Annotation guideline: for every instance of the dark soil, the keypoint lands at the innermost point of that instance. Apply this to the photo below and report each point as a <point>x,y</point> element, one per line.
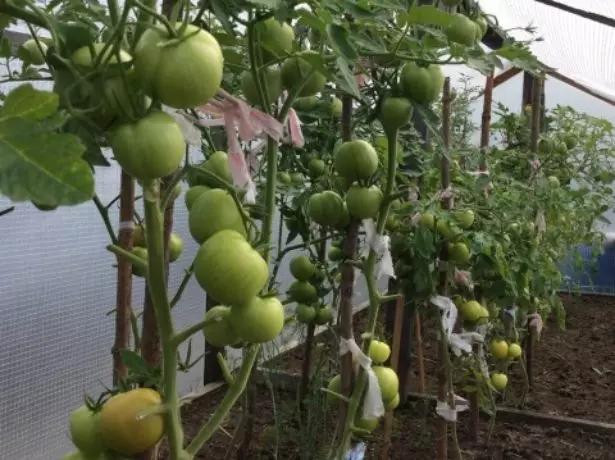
<point>572,373</point>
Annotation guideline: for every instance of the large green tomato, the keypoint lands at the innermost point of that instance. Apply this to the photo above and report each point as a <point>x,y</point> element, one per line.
<point>183,74</point>
<point>219,332</point>
<point>217,164</point>
<point>421,84</point>
<point>260,321</point>
<point>305,313</point>
<point>364,202</point>
<point>498,349</point>
<point>151,148</point>
<point>193,193</point>
<point>499,380</point>
<point>240,271</point>
<point>306,104</point>
<point>326,208</point>
<point>214,210</point>
<point>395,113</point>
<point>461,30</point>
<point>302,292</point>
<point>35,51</point>
<point>121,427</point>
<point>459,253</point>
<point>324,315</point>
<point>83,425</point>
<point>388,381</point>
<point>356,160</point>
<point>276,38</point>
<point>379,351</point>
<point>273,82</point>
<point>335,385</point>
<point>302,268</point>
<point>296,69</point>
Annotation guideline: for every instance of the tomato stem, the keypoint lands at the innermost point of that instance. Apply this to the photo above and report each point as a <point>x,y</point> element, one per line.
<point>233,393</point>
<point>158,292</point>
<point>375,299</point>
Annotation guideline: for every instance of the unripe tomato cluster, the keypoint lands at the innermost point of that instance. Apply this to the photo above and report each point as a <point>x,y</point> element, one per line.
<point>451,227</point>
<point>388,381</point>
<point>304,291</point>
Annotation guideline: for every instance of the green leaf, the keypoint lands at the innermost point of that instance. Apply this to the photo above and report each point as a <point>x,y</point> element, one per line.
<point>29,103</point>
<point>93,153</point>
<point>219,10</point>
<point>134,362</point>
<point>347,81</point>
<point>37,162</point>
<point>338,38</point>
<point>272,4</point>
<point>428,15</point>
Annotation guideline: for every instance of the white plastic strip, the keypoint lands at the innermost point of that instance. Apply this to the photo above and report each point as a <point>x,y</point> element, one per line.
<point>373,407</point>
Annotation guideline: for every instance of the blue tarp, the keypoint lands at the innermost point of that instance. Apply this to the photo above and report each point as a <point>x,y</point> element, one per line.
<point>591,275</point>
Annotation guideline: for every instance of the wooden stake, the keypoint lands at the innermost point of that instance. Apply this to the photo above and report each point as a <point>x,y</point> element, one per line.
<point>442,426</point>
<point>124,277</point>
<point>347,282</point>
<point>395,346</point>
<point>534,136</point>
<point>420,355</point>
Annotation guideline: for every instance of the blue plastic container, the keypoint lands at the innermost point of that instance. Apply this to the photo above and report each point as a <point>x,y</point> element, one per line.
<point>591,277</point>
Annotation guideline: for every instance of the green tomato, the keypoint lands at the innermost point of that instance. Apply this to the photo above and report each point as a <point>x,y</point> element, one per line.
<point>35,51</point>
<point>83,425</point>
<point>151,148</point>
<point>184,73</point>
<point>296,69</point>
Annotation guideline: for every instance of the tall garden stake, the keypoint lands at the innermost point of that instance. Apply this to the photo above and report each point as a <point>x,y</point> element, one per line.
<point>534,136</point>
<point>485,130</point>
<point>124,276</point>
<point>348,276</point>
<point>447,203</point>
<point>396,345</point>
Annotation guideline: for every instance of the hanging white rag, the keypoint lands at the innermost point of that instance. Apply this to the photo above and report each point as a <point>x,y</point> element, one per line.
<point>373,407</point>
<point>444,409</point>
<point>535,321</point>
<point>381,245</point>
<point>458,342</point>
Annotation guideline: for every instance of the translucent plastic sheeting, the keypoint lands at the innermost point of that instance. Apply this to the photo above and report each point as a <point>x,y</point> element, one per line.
<point>578,48</point>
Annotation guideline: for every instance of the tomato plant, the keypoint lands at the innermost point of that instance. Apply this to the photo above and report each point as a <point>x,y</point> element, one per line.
<point>154,88</point>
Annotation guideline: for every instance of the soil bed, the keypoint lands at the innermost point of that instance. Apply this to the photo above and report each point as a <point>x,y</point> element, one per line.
<point>413,435</point>
<point>572,373</point>
<point>573,368</point>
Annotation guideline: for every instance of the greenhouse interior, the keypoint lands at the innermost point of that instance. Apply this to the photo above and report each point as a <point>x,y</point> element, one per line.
<point>318,230</point>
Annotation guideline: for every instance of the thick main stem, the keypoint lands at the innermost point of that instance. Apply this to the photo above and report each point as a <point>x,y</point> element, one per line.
<point>374,297</point>
<point>157,289</point>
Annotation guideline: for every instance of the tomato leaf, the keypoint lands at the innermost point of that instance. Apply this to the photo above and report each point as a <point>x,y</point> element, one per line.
<point>338,38</point>
<point>134,363</point>
<point>428,15</point>
<point>37,162</point>
<point>346,79</point>
<point>272,4</point>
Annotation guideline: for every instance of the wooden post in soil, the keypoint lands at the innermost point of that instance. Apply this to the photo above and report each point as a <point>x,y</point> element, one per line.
<point>123,313</point>
<point>484,147</point>
<point>534,136</point>
<point>443,288</point>
<point>395,349</point>
<point>347,281</point>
